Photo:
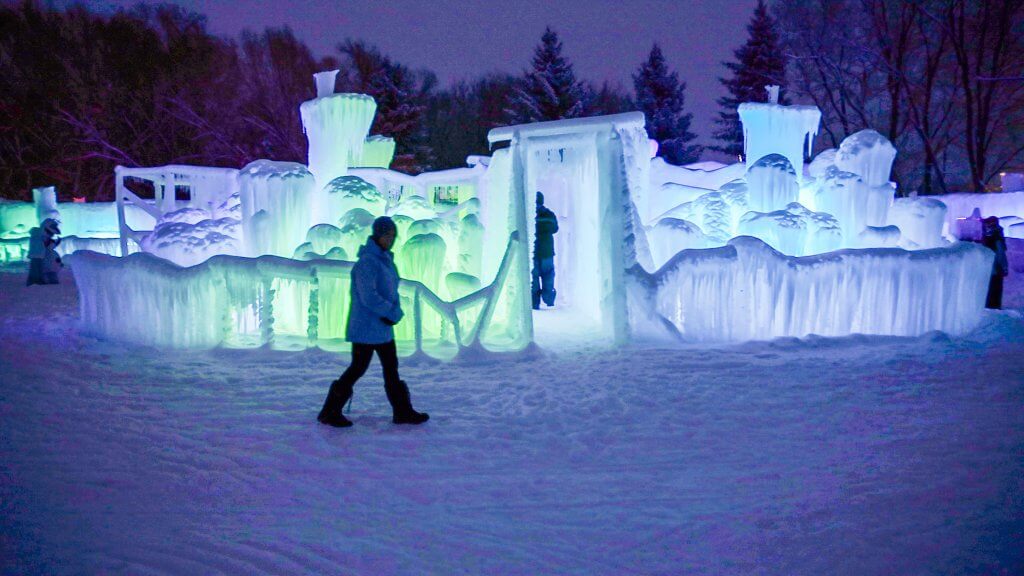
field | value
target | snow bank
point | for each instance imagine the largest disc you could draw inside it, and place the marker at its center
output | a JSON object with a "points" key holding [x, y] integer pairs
{"points": [[748, 291]]}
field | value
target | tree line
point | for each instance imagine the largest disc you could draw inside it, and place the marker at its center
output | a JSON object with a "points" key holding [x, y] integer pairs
{"points": [[81, 92]]}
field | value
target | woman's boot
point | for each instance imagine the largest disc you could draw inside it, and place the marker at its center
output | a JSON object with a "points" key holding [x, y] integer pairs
{"points": [[337, 396], [401, 404]]}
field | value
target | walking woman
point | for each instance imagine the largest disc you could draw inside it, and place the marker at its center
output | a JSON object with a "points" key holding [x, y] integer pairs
{"points": [[375, 309]]}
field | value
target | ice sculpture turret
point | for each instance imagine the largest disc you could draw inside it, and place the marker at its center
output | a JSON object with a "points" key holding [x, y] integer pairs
{"points": [[336, 126], [276, 206], [770, 128]]}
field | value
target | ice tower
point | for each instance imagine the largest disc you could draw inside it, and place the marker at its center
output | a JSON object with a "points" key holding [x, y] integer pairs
{"points": [[771, 128], [336, 125]]}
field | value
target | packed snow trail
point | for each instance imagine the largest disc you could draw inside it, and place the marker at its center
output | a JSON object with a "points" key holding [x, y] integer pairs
{"points": [[858, 455]]}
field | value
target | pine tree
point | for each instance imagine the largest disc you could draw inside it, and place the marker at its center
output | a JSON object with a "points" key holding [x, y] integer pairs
{"points": [[401, 95], [661, 97], [759, 63], [550, 90]]}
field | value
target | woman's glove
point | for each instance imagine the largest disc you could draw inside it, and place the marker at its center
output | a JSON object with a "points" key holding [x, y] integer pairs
{"points": [[387, 321]]}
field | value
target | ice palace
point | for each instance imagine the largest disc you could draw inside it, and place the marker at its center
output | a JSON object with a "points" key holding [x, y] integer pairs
{"points": [[646, 251], [850, 455]]}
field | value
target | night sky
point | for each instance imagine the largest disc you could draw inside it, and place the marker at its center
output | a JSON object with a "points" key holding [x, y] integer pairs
{"points": [[605, 39]]}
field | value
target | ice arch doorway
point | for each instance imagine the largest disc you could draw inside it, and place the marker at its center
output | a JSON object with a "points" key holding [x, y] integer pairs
{"points": [[580, 167]]}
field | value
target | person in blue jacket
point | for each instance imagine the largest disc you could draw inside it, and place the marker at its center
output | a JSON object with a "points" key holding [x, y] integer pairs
{"points": [[374, 310]]}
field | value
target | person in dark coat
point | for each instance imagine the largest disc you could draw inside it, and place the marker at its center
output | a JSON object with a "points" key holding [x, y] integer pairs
{"points": [[44, 262], [544, 255], [374, 310], [993, 239]]}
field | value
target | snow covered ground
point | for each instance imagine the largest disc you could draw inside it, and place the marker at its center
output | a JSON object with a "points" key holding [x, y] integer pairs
{"points": [[859, 455]]}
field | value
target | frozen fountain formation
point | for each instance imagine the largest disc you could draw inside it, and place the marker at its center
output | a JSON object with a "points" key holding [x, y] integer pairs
{"points": [[322, 241], [672, 235], [190, 236], [854, 187], [794, 230], [276, 206], [879, 237], [820, 164], [736, 195], [713, 215], [345, 193], [920, 221], [422, 260], [867, 154], [336, 126], [777, 129], [355, 226], [771, 183]]}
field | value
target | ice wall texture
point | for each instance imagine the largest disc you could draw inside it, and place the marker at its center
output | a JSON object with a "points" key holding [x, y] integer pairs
{"points": [[271, 301], [746, 291]]}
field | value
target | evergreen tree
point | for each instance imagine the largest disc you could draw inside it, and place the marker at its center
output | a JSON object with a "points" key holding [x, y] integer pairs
{"points": [[606, 99], [661, 97], [458, 118], [759, 63], [550, 90], [401, 95]]}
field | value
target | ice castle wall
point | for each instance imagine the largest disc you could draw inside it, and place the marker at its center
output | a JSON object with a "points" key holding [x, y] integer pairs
{"points": [[746, 290]]}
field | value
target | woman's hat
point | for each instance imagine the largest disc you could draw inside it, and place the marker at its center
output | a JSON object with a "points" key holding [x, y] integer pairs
{"points": [[383, 225]]}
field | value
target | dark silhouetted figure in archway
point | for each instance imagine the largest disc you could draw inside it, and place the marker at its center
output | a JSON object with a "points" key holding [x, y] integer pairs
{"points": [[544, 255], [993, 239]]}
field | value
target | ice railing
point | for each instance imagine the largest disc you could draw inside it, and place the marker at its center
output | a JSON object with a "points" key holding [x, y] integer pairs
{"points": [[278, 302], [748, 291]]}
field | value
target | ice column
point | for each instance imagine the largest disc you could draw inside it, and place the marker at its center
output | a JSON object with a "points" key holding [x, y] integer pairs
{"points": [[336, 126], [45, 199], [773, 128], [276, 210]]}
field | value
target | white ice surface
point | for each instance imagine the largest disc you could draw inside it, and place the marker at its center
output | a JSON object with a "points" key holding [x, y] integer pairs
{"points": [[857, 455]]}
